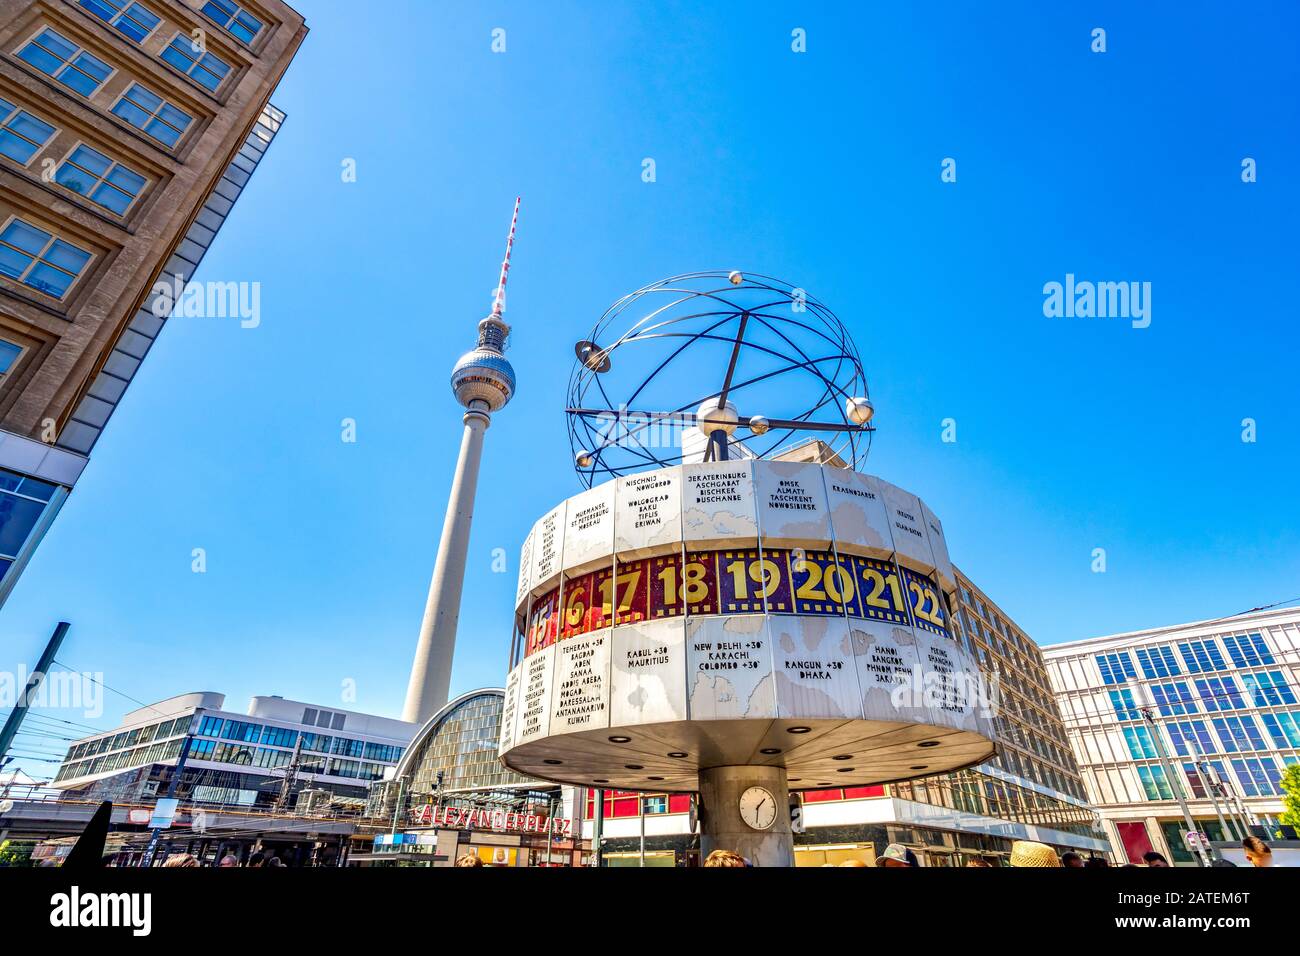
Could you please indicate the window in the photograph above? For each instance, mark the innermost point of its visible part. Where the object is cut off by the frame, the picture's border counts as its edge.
(389, 753)
(1258, 776)
(130, 19)
(1158, 661)
(21, 134)
(1283, 728)
(1248, 650)
(347, 747)
(206, 69)
(1268, 689)
(279, 736)
(66, 62)
(1122, 701)
(236, 20)
(241, 730)
(148, 111)
(93, 175)
(317, 742)
(39, 259)
(1219, 693)
(1174, 700)
(22, 502)
(1140, 744)
(1239, 733)
(202, 749)
(656, 804)
(1202, 657)
(1154, 783)
(1190, 738)
(1115, 668)
(9, 353)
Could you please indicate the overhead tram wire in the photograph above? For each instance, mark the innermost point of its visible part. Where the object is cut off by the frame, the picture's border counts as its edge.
(94, 680)
(73, 724)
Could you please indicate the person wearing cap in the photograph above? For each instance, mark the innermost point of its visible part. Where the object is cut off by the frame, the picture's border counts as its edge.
(896, 855)
(1026, 853)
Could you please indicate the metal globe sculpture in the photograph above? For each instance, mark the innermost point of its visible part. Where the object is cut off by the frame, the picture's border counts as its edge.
(721, 613)
(770, 361)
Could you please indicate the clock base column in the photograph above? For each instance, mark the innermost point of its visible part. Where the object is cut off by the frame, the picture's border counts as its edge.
(722, 827)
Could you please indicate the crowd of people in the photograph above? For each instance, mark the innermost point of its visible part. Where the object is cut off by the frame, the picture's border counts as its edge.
(256, 861)
(1025, 854)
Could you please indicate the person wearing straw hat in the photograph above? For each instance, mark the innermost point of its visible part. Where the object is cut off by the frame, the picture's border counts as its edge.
(1026, 853)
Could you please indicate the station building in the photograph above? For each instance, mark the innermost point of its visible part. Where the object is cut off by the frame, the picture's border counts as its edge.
(450, 796)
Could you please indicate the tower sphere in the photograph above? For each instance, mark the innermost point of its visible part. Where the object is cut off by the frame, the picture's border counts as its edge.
(483, 375)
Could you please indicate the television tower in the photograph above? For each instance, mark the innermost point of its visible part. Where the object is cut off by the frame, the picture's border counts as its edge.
(483, 382)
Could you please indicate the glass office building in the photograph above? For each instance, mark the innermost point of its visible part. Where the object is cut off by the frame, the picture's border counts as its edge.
(233, 759)
(1217, 700)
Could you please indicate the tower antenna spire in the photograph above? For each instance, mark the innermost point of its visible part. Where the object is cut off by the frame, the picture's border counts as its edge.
(499, 302)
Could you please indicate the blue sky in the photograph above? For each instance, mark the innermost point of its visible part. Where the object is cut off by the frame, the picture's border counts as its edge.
(822, 168)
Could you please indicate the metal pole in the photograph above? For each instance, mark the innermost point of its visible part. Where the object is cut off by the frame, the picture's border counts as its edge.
(1214, 800)
(641, 802)
(1197, 759)
(550, 829)
(34, 682)
(597, 826)
(397, 807)
(1234, 809)
(1175, 783)
(152, 847)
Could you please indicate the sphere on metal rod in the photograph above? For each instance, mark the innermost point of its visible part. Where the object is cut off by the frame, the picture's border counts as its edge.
(859, 410)
(711, 417)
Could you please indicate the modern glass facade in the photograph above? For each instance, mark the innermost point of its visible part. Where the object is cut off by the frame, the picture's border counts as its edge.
(461, 744)
(1218, 700)
(234, 759)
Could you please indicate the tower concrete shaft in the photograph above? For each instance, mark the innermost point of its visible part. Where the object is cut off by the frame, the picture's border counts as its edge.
(431, 670)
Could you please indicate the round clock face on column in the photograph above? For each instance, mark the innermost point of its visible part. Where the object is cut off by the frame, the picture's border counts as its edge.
(758, 808)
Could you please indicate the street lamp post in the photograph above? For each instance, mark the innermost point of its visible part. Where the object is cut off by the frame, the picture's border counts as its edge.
(1175, 785)
(152, 847)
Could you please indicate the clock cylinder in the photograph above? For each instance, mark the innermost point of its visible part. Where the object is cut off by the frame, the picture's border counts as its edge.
(723, 825)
